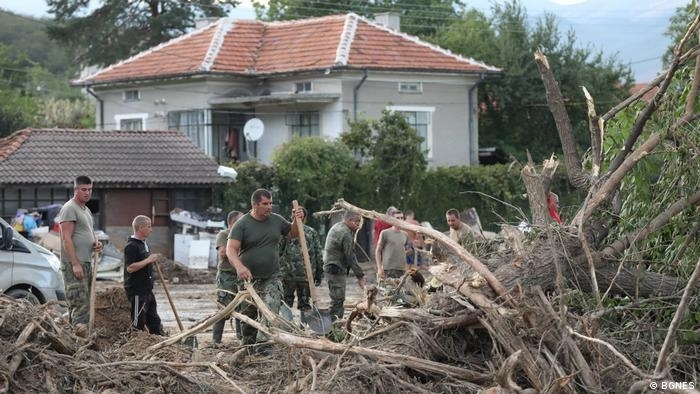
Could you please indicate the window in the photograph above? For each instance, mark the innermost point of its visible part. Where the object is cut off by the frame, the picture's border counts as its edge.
(411, 87)
(303, 124)
(192, 124)
(300, 87)
(132, 95)
(421, 119)
(130, 124)
(131, 121)
(193, 200)
(14, 198)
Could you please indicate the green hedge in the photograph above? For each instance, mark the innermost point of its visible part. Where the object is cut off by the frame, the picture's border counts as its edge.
(496, 191)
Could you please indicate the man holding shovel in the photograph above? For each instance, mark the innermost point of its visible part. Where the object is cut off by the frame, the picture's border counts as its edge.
(339, 258)
(295, 280)
(226, 279)
(253, 250)
(78, 243)
(138, 277)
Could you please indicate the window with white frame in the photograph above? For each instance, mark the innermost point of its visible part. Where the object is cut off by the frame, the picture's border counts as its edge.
(421, 119)
(304, 124)
(411, 87)
(302, 87)
(132, 95)
(192, 124)
(131, 121)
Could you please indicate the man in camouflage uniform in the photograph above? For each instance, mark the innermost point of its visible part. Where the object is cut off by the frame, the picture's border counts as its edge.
(226, 279)
(294, 270)
(339, 258)
(253, 250)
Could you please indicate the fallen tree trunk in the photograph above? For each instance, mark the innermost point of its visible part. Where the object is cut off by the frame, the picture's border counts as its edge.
(324, 345)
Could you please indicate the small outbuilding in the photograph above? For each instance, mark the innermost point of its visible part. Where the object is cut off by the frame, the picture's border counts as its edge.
(133, 172)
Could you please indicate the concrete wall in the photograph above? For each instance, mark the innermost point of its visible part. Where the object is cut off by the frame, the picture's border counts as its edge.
(160, 240)
(453, 134)
(448, 96)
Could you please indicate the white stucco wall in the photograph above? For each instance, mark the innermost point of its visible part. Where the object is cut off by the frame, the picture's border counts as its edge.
(447, 95)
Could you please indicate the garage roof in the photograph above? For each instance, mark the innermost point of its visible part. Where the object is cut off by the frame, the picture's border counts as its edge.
(138, 158)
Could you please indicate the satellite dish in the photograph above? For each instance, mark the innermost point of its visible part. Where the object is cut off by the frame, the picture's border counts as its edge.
(253, 129)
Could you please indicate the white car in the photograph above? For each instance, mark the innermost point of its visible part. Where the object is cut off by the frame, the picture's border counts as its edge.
(28, 270)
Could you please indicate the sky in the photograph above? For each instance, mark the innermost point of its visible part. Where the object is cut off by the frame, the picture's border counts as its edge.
(632, 30)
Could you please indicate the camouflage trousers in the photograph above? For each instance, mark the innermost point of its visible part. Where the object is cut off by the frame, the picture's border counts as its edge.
(78, 292)
(270, 290)
(299, 287)
(336, 290)
(227, 283)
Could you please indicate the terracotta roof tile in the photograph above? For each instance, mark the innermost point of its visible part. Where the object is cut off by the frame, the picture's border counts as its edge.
(11, 143)
(56, 156)
(263, 48)
(184, 55)
(648, 95)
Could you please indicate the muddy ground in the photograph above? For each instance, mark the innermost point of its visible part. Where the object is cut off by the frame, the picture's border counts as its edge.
(44, 353)
(197, 301)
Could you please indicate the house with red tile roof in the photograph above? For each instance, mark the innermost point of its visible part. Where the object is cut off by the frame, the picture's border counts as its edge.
(650, 91)
(299, 78)
(134, 173)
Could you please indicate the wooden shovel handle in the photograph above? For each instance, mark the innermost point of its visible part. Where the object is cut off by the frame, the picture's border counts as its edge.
(305, 253)
(167, 294)
(93, 291)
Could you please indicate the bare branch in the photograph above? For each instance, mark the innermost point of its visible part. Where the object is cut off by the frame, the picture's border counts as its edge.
(577, 176)
(682, 310)
(659, 221)
(596, 128)
(613, 180)
(653, 104)
(537, 186)
(693, 52)
(617, 354)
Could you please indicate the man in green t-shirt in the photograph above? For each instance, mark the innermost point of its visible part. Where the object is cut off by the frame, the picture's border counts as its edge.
(226, 278)
(253, 250)
(391, 250)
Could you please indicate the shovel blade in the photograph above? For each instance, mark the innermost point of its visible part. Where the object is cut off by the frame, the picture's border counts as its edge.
(286, 312)
(191, 342)
(319, 320)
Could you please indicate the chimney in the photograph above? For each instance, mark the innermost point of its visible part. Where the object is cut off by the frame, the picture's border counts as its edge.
(390, 20)
(202, 22)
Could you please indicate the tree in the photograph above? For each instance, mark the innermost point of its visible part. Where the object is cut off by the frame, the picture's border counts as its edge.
(313, 171)
(678, 26)
(395, 160)
(29, 35)
(18, 107)
(117, 29)
(282, 10)
(514, 115)
(418, 17)
(66, 113)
